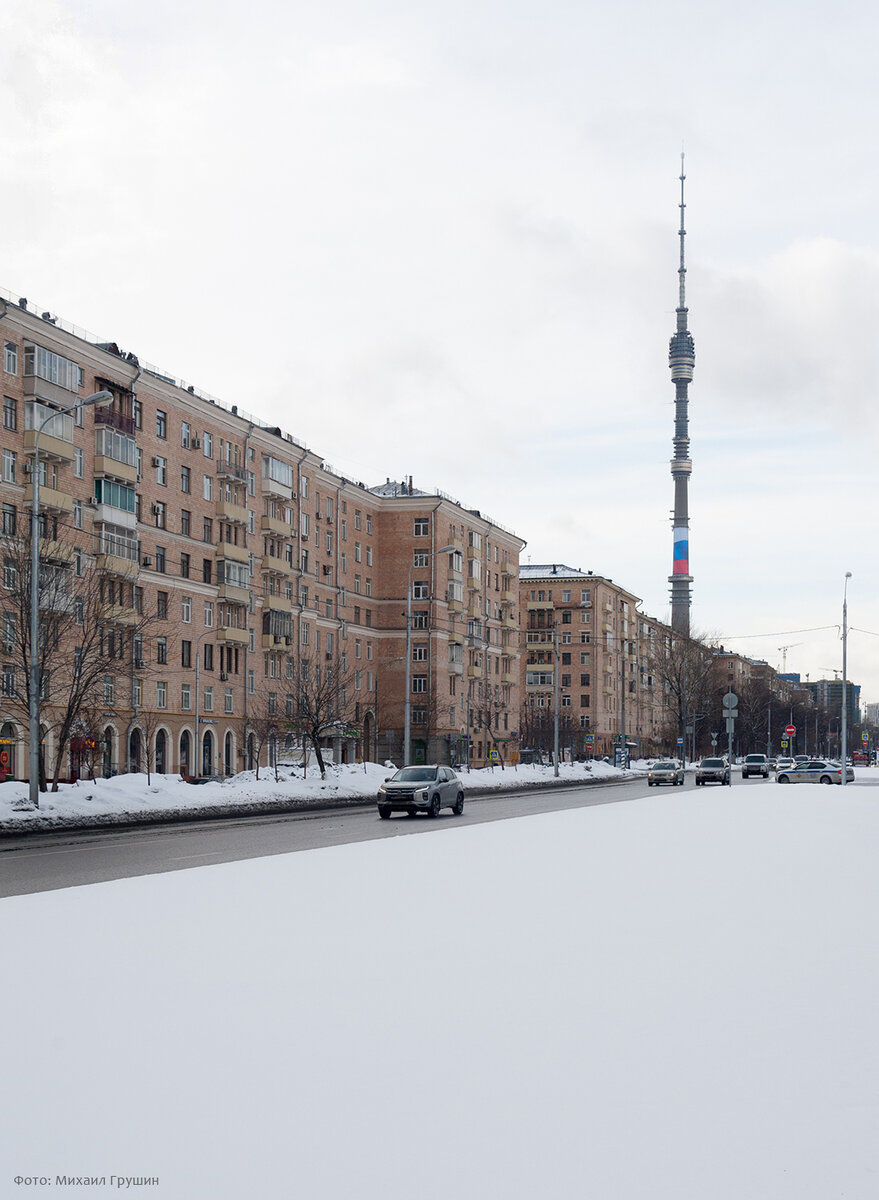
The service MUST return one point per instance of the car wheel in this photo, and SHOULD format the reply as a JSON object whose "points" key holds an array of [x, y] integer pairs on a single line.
{"points": [[783, 779], [459, 805], [826, 779], [384, 812], [433, 811]]}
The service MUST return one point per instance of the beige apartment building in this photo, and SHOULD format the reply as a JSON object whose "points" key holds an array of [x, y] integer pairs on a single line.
{"points": [[237, 571], [588, 629]]}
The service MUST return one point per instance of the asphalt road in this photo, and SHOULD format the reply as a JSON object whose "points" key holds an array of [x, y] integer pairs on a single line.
{"points": [[44, 862]]}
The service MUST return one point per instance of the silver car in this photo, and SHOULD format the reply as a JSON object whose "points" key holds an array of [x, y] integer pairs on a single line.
{"points": [[421, 789], [665, 772], [755, 764], [815, 770]]}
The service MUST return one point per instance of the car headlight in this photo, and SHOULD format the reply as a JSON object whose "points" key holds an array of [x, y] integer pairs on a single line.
{"points": [[421, 794], [382, 791]]}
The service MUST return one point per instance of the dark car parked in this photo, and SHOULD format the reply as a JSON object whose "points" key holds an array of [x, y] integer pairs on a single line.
{"points": [[712, 770]]}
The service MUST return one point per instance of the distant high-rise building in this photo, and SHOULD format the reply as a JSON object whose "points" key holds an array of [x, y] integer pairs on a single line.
{"points": [[681, 360]]}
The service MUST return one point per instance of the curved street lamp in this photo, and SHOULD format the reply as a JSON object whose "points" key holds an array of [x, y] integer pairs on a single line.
{"points": [[102, 399], [848, 576]]}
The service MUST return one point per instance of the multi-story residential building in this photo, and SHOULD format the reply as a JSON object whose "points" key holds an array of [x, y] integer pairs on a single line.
{"points": [[233, 563], [588, 629]]}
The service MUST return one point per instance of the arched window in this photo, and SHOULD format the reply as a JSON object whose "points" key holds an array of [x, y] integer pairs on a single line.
{"points": [[161, 752]]}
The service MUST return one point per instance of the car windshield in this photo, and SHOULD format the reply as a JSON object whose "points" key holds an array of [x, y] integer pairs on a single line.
{"points": [[665, 766], [756, 758], [415, 775], [712, 762]]}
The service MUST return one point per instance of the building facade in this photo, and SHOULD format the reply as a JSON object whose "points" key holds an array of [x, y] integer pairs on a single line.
{"points": [[589, 630], [237, 575]]}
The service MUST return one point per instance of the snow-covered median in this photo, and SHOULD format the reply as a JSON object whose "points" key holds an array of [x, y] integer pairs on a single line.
{"points": [[131, 797]]}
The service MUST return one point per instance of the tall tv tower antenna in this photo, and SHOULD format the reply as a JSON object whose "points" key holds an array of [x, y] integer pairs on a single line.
{"points": [[681, 360]]}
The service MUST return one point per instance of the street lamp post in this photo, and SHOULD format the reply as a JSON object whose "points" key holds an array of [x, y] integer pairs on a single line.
{"points": [[101, 398], [555, 720], [407, 699], [848, 576]]}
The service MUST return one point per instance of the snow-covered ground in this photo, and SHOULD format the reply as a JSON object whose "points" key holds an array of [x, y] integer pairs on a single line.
{"points": [[672, 998], [131, 796]]}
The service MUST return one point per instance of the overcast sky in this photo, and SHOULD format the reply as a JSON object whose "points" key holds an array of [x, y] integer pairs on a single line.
{"points": [[441, 240]]}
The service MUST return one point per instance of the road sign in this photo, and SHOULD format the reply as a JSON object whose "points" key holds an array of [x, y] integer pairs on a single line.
{"points": [[589, 739], [790, 730], [680, 741], [865, 737], [493, 755], [784, 743], [730, 700]]}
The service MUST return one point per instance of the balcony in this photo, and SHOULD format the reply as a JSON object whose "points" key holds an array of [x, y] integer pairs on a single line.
{"points": [[509, 677], [274, 525], [232, 594], [230, 550], [277, 603], [113, 564], [119, 614], [456, 606], [227, 470], [115, 419], [456, 668], [276, 641], [52, 551], [104, 465], [275, 566], [542, 604], [50, 498], [509, 597], [475, 672], [232, 634], [236, 514], [273, 487]]}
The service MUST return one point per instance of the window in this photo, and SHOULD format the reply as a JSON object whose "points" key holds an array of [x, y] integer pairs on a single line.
{"points": [[207, 487], [186, 653], [208, 699], [186, 697], [78, 462], [160, 514], [109, 689], [9, 466], [161, 423], [420, 589], [358, 552], [162, 606], [420, 558], [419, 683], [228, 701], [208, 530], [10, 414], [160, 559], [419, 652], [185, 434], [208, 614], [421, 527], [185, 521], [185, 477], [10, 358], [161, 693], [419, 619], [77, 514], [161, 650], [185, 566], [9, 518], [207, 445], [51, 367], [186, 609]]}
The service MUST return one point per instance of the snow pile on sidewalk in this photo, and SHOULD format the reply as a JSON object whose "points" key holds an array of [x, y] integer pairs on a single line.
{"points": [[666, 1000], [128, 796]]}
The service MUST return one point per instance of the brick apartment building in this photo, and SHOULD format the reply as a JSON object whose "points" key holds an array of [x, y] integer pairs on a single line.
{"points": [[231, 558], [608, 689]]}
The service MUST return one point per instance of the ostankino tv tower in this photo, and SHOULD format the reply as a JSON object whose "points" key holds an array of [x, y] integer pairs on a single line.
{"points": [[681, 360]]}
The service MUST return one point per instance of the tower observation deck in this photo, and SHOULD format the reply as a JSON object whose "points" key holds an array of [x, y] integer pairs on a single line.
{"points": [[681, 361]]}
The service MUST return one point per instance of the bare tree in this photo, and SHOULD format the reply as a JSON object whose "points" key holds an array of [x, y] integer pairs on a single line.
{"points": [[89, 619], [322, 704], [683, 666], [264, 721]]}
